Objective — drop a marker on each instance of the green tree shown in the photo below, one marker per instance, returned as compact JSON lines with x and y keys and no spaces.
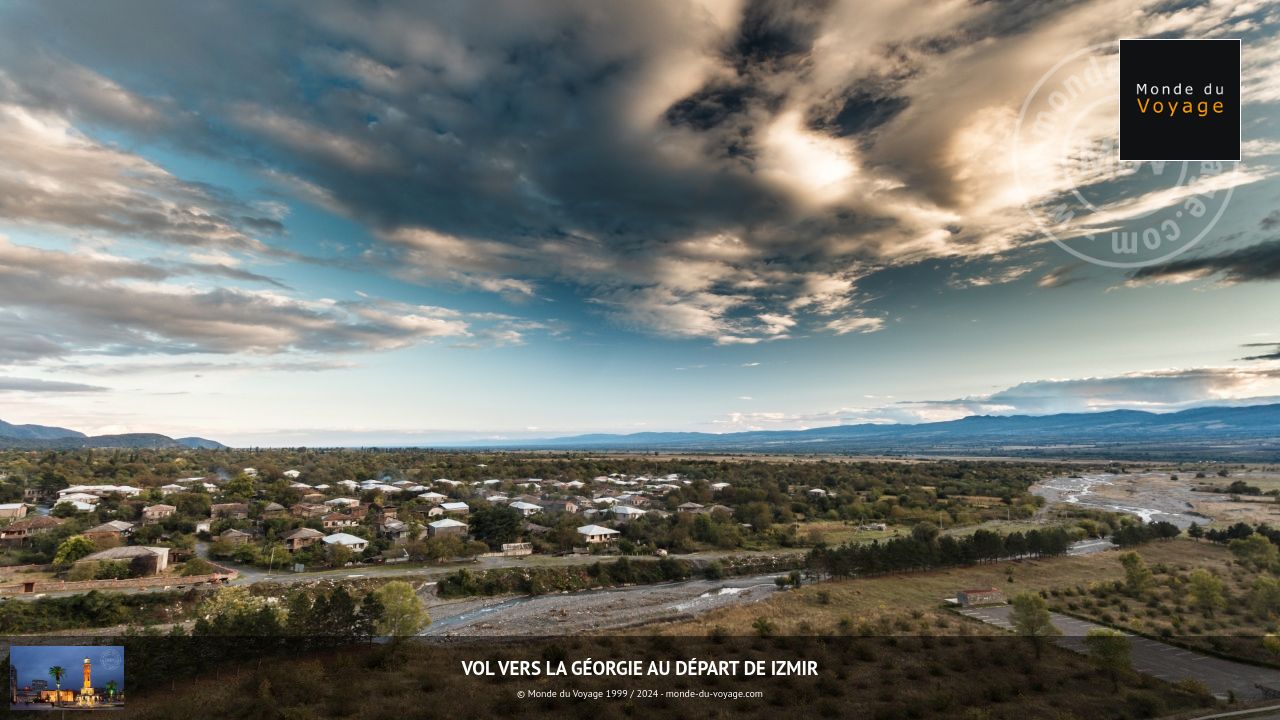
{"x":1264,"y":599}
{"x":1206,"y":591}
{"x":1255,"y":552}
{"x":1109,"y":653}
{"x":1031,"y":619}
{"x":111,"y":689}
{"x":72,"y":549}
{"x":1137,"y":576}
{"x":57,"y":672}
{"x":403,"y":612}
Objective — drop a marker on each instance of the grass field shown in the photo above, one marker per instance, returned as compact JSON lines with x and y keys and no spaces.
{"x":913,"y":602}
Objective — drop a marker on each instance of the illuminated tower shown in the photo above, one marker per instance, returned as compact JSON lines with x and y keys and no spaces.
{"x":88,"y":686}
{"x":88,"y":697}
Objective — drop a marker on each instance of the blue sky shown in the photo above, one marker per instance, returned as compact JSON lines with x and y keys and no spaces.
{"x":32,"y":662}
{"x":331,"y":222}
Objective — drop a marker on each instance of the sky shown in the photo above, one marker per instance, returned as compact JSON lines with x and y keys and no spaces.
{"x":32,"y":662}
{"x":322,"y":222}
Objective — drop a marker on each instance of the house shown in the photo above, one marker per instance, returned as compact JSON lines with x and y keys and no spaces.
{"x":717,"y":487}
{"x":171,"y":488}
{"x":152,"y":513}
{"x":561,"y":506}
{"x":356,"y":544}
{"x":596,"y":534}
{"x":292,"y":474}
{"x":689,"y":507}
{"x":20,"y":530}
{"x":274,"y":510}
{"x":13,"y":511}
{"x":342,"y":502}
{"x":395,"y":530}
{"x":100,"y":490}
{"x":626,"y":513}
{"x":147,"y":560}
{"x":301,"y":538}
{"x":234,"y":537}
{"x":229,"y":510}
{"x":817,"y":492}
{"x":447,"y":526}
{"x":115,"y":530}
{"x":82,"y":498}
{"x":434,"y":498}
{"x":337,"y":520}
{"x":455,"y":508}
{"x":525,"y":508}
{"x":308,"y":510}
{"x":980,"y":596}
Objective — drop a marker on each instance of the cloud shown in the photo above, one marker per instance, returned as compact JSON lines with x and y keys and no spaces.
{"x":1156,"y":391}
{"x":33,"y":385}
{"x":1252,"y":263}
{"x":722,"y":170}
{"x":61,"y":303}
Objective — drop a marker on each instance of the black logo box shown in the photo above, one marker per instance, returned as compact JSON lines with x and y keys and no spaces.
{"x":1184,"y":67}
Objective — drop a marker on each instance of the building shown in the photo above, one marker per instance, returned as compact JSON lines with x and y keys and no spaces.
{"x":171,"y":488}
{"x":455,"y":508}
{"x":596,"y":534}
{"x":148,"y":560}
{"x":274,"y":510}
{"x":231,"y":536}
{"x":116,"y":530}
{"x":356,"y":544}
{"x":525,"y":508}
{"x":229,"y":510}
{"x":14,"y":511}
{"x":20,"y":530}
{"x":337,"y":520}
{"x":561,"y":506}
{"x":447,"y":526}
{"x":626,"y":513}
{"x":980,"y":596}
{"x":100,"y":490}
{"x":152,"y":513}
{"x":308,"y":510}
{"x":689,"y":507}
{"x":302,"y":538}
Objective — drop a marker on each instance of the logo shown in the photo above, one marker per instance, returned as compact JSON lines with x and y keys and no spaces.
{"x":1099,"y":208}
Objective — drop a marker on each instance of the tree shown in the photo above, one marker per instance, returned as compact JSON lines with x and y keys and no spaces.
{"x":57,"y":672}
{"x":1255,"y":552}
{"x":495,"y":525}
{"x":925,"y":532}
{"x":338,"y":554}
{"x":1109,"y":653}
{"x":72,"y":549}
{"x":403,"y":612}
{"x":1031,"y":619}
{"x":111,"y":689}
{"x":1265,"y":596}
{"x":1206,"y":591}
{"x":1195,"y":531}
{"x":1137,"y":576}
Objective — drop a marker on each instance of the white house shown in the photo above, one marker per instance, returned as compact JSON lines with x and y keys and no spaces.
{"x":526,"y":508}
{"x":357,"y":544}
{"x":292,"y":474}
{"x":433,"y":497}
{"x":455,"y":508}
{"x":594,"y":534}
{"x":626,"y":513}
{"x":171,"y":488}
{"x":342,"y":502}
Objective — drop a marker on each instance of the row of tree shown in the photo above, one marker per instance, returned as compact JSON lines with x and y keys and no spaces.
{"x":923,"y":550}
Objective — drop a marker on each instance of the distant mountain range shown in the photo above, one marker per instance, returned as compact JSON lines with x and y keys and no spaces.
{"x":41,"y":437}
{"x":1209,"y":433}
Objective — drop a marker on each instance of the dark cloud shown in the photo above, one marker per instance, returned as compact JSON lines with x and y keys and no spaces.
{"x":1272,"y":352}
{"x":1247,"y":264}
{"x":33,"y":385}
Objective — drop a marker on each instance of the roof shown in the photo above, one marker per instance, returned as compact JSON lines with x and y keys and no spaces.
{"x":11,"y":506}
{"x":447,"y":523}
{"x":127,"y":552}
{"x":37,"y":522}
{"x":627,"y":510}
{"x":454,"y":506}
{"x":597,"y":530}
{"x":303,"y":533}
{"x":522,"y":505}
{"x":113,"y":526}
{"x":344,"y":539}
{"x":272,"y":507}
{"x":160,"y":506}
{"x":232,"y":532}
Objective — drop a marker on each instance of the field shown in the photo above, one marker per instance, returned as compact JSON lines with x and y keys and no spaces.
{"x":915,"y":600}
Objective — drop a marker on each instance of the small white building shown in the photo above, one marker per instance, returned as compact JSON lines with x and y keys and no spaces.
{"x":596,"y":534}
{"x":356,"y":544}
{"x":526,"y":508}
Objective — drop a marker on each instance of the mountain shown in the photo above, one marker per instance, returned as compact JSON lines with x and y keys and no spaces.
{"x":41,"y":437}
{"x":36,"y":432}
{"x":199,"y":443}
{"x":1239,"y":433}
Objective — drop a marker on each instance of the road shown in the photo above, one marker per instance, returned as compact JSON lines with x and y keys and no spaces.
{"x":1167,"y":662}
{"x":565,"y":614}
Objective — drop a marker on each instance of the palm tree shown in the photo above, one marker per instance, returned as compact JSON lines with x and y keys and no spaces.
{"x":57,"y":672}
{"x":110,"y":687}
